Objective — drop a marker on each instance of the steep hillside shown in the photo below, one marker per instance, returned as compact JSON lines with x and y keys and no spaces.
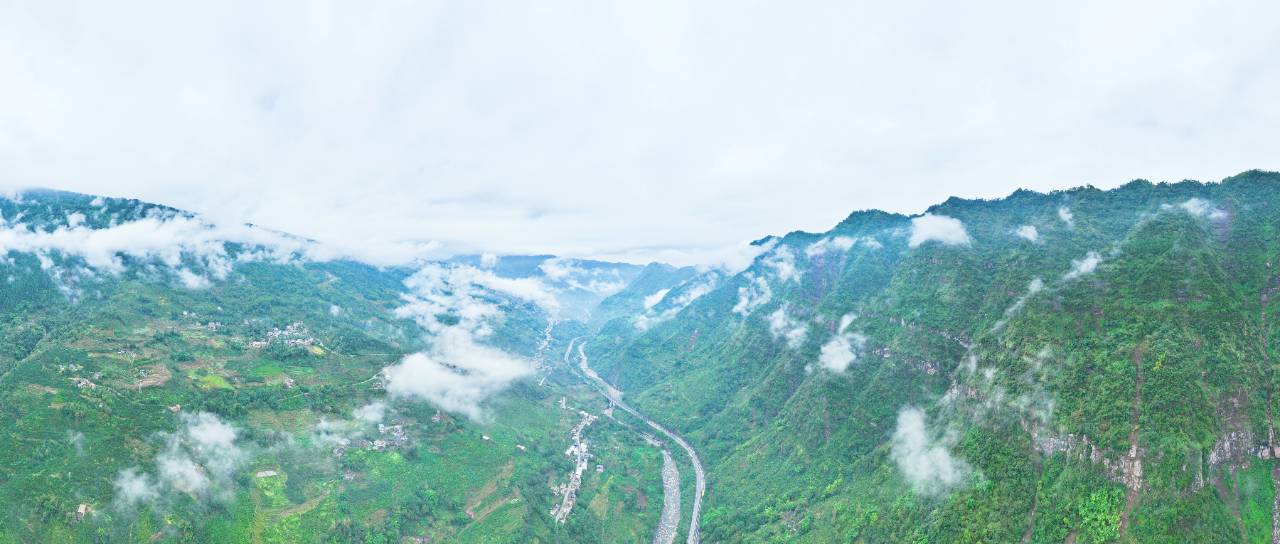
{"x":1084,"y":365}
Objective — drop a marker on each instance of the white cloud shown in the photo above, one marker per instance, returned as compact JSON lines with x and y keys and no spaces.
{"x":1201,"y":208}
{"x":200,"y":459}
{"x":939,"y":228}
{"x":925,"y":461}
{"x":1028,"y":232}
{"x":1064,"y":213}
{"x":169,"y":241}
{"x":840,"y":351}
{"x":652,"y":300}
{"x":133,"y":487}
{"x":458,"y":374}
{"x":569,"y":274}
{"x":783,"y":326}
{"x":370,"y":413}
{"x":839,"y":244}
{"x":335,"y":310}
{"x":334,"y":105}
{"x":685,"y":294}
{"x":488,"y":260}
{"x":783,"y":263}
{"x":446,"y":284}
{"x":843,"y":348}
{"x":829,"y":245}
{"x":754,"y":294}
{"x":1083,"y":266}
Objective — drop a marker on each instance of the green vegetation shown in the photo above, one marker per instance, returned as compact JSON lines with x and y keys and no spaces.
{"x":1162,"y":340}
{"x":1091,"y":366}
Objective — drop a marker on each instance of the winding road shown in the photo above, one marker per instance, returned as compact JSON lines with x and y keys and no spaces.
{"x":614,"y":395}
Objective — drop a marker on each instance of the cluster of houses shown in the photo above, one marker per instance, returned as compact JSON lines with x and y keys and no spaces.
{"x":211,"y":326}
{"x":294,"y":335}
{"x":389,"y":437}
{"x":578,"y":451}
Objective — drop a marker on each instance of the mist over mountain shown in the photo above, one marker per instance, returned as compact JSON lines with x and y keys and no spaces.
{"x":1081,"y":365}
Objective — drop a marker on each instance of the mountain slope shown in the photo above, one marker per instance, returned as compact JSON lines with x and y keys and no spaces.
{"x":169,"y":379}
{"x":1098,"y":361}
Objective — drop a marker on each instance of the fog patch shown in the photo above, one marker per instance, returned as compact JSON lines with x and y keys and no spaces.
{"x":457,"y":373}
{"x":1199,"y":208}
{"x":783,"y":263}
{"x":1033,"y":288}
{"x":675,"y":300}
{"x":194,"y":251}
{"x":199,"y":460}
{"x":945,"y":230}
{"x":1028,"y":232}
{"x":784,"y":327}
{"x":133,"y":487}
{"x":1068,"y":219}
{"x":571,"y":274}
{"x":371,"y":413}
{"x":754,"y":294}
{"x":924,"y":458}
{"x":653,"y":300}
{"x":1083,"y":266}
{"x":843,"y":348}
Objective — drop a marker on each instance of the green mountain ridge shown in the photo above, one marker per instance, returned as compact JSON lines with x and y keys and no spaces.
{"x":1137,"y":318}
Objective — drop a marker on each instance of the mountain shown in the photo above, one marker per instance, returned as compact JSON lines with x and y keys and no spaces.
{"x":1081,"y":366}
{"x":165,"y":378}
{"x":1077,"y":366}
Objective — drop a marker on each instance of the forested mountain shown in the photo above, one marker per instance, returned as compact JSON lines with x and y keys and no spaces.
{"x":1083,"y":366}
{"x":163,"y":378}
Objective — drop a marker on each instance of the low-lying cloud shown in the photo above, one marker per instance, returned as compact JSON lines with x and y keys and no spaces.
{"x":924,"y":459}
{"x":653,"y":299}
{"x":1028,"y":232}
{"x":1200,"y":208}
{"x":945,"y":230}
{"x":754,"y":294}
{"x":843,"y":348}
{"x":572,"y":275}
{"x":1083,"y":266}
{"x":199,"y":460}
{"x":782,"y":326}
{"x":783,"y":263}
{"x":675,"y":299}
{"x":196,"y":252}
{"x":1068,"y":219}
{"x":454,"y":305}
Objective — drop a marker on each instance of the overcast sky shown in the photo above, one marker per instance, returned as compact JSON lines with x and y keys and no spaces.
{"x":630,"y":130}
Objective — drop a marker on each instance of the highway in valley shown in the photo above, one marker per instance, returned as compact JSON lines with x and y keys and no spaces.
{"x":664,"y":534}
